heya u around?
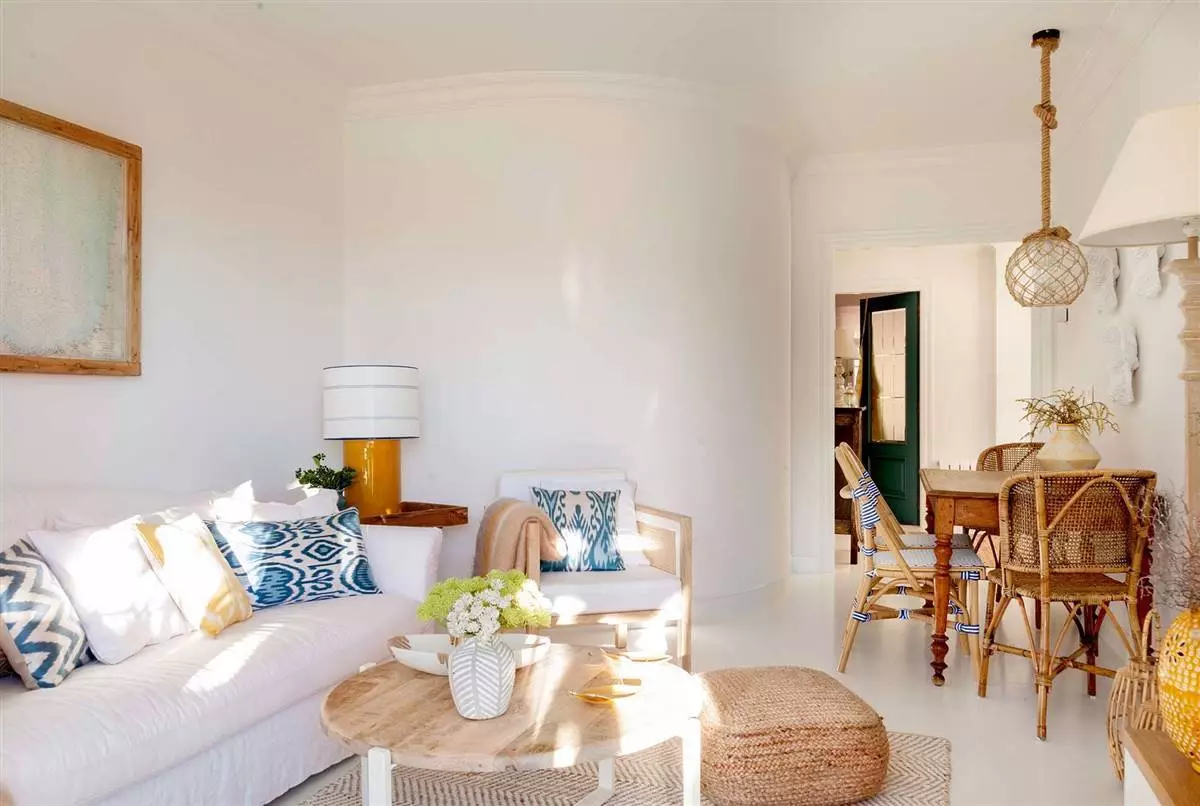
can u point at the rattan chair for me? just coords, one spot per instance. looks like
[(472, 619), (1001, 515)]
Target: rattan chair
[(907, 539), (1014, 457), (891, 568), (1066, 537)]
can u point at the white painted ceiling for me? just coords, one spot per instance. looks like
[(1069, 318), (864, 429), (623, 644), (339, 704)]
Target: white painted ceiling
[(833, 77)]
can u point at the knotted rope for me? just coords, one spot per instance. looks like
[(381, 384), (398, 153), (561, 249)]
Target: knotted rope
[(1047, 114)]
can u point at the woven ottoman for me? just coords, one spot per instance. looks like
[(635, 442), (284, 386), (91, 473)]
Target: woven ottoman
[(788, 735)]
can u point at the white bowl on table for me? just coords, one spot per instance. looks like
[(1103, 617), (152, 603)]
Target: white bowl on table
[(430, 653)]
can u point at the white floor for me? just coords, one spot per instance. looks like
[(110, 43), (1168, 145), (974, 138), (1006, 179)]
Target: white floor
[(997, 759)]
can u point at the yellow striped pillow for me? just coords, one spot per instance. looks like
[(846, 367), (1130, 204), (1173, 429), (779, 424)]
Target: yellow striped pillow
[(187, 560)]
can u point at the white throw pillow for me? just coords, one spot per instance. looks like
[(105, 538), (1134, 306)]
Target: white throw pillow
[(121, 602), (318, 504), (204, 504)]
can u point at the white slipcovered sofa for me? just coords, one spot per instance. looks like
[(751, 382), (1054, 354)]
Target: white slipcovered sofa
[(196, 720)]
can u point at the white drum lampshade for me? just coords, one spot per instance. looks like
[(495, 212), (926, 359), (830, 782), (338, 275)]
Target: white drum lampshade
[(371, 401)]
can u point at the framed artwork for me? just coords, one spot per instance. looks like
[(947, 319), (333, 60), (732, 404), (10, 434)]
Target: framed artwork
[(70, 247)]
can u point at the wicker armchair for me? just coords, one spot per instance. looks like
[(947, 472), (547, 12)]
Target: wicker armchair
[(892, 568), (1016, 457), (1064, 537)]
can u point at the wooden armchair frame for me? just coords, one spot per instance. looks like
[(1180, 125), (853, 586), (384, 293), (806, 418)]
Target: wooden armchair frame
[(667, 543)]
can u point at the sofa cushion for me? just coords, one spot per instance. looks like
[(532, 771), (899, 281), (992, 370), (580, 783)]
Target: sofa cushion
[(519, 485), (120, 600), (306, 560), (39, 629), (586, 522), (640, 587), (169, 702), (190, 566)]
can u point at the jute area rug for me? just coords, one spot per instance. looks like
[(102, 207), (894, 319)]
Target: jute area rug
[(918, 775)]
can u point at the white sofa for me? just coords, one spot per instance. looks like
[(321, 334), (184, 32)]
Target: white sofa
[(208, 721)]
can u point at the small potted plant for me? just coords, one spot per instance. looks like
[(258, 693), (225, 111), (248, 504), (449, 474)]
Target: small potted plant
[(324, 477), (1073, 416), (482, 669)]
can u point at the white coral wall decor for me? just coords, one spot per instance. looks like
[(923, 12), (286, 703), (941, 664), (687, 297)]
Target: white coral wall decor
[(1142, 264), (1103, 271), (1121, 359)]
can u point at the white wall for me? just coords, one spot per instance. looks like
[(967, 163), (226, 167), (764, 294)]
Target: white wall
[(1153, 428), (583, 281), (938, 197), (1015, 346), (241, 226), (957, 337)]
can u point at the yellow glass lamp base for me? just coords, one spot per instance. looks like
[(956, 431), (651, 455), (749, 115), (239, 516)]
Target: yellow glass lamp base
[(376, 487), (1179, 684)]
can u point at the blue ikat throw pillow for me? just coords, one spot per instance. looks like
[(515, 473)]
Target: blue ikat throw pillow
[(587, 522), (307, 560)]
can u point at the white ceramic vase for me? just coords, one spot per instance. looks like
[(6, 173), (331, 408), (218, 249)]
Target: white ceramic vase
[(481, 678), (1068, 449)]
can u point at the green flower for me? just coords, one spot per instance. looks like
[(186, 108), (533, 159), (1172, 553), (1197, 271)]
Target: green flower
[(528, 609)]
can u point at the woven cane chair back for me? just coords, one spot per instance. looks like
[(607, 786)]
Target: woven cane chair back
[(1093, 521), (1015, 457)]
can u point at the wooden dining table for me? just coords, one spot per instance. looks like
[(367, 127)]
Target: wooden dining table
[(967, 498)]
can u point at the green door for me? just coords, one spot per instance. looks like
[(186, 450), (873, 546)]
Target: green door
[(891, 374)]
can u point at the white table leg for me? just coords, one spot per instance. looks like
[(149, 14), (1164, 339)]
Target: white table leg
[(691, 762), (377, 777), (604, 791)]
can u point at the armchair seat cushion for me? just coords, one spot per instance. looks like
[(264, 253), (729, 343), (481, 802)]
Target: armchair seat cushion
[(638, 587)]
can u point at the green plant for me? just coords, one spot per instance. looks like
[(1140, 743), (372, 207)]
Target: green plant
[(527, 606), (1067, 407), (325, 477)]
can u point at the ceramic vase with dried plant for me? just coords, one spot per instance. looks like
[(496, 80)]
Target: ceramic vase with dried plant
[(1073, 416)]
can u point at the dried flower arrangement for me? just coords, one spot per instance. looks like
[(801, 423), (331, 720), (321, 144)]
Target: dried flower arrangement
[(1067, 407), (1175, 573)]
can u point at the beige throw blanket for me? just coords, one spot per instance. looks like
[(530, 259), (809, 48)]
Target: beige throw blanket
[(502, 545)]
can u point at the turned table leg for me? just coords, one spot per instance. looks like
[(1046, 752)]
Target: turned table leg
[(943, 529)]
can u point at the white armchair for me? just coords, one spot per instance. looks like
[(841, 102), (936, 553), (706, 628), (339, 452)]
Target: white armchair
[(656, 545)]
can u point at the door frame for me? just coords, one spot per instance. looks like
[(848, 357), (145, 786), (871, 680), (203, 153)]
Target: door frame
[(912, 401)]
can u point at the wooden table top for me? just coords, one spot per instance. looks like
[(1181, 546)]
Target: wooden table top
[(1168, 771), (412, 714), (963, 483)]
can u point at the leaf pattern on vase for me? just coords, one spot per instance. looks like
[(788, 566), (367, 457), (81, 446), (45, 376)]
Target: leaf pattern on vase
[(586, 521)]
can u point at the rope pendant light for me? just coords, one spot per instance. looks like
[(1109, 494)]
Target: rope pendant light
[(1046, 269)]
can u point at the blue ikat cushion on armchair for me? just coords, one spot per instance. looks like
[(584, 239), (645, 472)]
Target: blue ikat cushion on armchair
[(283, 562), (587, 523)]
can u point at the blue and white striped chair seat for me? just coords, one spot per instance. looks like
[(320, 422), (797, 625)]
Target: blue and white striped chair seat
[(923, 560), (921, 540)]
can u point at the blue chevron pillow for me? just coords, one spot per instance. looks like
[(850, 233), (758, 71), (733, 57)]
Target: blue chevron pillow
[(282, 562), (587, 522), (40, 631)]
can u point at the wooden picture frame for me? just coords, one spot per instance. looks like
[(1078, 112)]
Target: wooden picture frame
[(129, 361)]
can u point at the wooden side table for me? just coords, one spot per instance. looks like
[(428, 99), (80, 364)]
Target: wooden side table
[(419, 513)]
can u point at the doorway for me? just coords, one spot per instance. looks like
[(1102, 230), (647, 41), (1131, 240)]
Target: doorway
[(891, 392)]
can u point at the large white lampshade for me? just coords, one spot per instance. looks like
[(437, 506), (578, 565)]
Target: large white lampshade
[(1154, 186), (371, 401)]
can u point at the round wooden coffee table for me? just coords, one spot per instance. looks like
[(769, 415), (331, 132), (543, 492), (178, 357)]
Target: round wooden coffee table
[(391, 714)]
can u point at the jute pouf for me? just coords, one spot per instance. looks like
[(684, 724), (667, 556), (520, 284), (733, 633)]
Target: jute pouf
[(788, 736)]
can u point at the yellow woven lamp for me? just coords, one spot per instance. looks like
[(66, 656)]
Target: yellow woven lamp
[(1046, 269)]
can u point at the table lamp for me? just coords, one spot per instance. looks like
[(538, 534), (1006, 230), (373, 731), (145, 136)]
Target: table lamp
[(370, 408), (1152, 197)]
